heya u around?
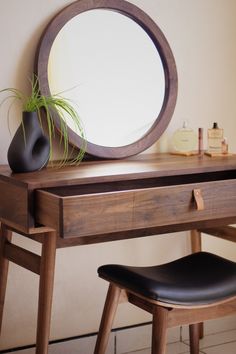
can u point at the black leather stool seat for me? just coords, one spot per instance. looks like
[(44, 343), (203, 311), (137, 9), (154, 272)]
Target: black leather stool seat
[(197, 279)]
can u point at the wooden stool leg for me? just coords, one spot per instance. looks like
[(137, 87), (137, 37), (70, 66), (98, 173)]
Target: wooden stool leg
[(196, 246), (111, 303), (47, 267), (159, 330), (194, 338), (5, 236)]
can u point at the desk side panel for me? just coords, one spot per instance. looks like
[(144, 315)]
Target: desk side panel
[(15, 206)]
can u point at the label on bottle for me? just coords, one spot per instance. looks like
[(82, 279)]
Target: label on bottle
[(215, 137), (184, 140), (215, 133)]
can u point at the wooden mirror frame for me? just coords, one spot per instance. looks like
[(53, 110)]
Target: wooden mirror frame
[(163, 48)]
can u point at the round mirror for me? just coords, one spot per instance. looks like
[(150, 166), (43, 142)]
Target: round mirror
[(115, 77), (117, 68)]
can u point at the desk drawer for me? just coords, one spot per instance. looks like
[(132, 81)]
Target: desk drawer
[(77, 212)]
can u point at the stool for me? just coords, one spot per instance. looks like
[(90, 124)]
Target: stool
[(189, 290)]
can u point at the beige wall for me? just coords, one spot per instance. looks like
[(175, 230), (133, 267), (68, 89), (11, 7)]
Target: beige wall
[(202, 35)]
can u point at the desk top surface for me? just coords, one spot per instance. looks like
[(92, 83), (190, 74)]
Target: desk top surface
[(138, 167)]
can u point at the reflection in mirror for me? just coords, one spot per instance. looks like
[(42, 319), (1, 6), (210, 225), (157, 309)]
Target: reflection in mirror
[(110, 68)]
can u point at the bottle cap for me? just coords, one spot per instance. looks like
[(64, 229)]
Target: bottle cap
[(224, 140)]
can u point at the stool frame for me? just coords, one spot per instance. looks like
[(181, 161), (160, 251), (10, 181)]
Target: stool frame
[(165, 315)]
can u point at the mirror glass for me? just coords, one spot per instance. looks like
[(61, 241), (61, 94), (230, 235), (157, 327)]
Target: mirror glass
[(111, 70)]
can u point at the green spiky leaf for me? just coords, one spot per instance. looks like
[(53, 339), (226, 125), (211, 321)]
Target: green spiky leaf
[(50, 105)]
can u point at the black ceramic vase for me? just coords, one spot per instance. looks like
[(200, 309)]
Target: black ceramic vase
[(29, 149)]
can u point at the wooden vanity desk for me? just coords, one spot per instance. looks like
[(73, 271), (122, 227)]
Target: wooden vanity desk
[(100, 201)]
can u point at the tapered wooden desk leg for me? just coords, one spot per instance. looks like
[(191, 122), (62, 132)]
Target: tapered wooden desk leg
[(196, 246), (45, 291), (5, 235), (196, 241)]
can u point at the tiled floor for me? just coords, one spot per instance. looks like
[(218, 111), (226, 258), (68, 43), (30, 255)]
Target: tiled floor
[(219, 343)]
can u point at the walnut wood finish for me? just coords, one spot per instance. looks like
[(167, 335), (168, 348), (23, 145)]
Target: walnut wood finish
[(43, 266), (5, 237), (194, 336), (122, 179), (142, 168), (166, 315), (22, 257), (152, 180), (162, 46), (226, 232), (185, 316), (111, 303), (17, 213), (196, 246), (47, 267), (196, 241), (130, 234), (113, 211), (159, 330)]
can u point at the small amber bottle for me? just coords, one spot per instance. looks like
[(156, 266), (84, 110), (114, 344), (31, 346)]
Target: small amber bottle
[(224, 146)]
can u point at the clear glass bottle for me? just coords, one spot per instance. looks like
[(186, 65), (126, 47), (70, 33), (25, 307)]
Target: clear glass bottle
[(215, 137), (184, 139)]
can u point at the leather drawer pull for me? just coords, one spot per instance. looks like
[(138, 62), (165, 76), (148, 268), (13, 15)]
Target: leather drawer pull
[(198, 199)]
